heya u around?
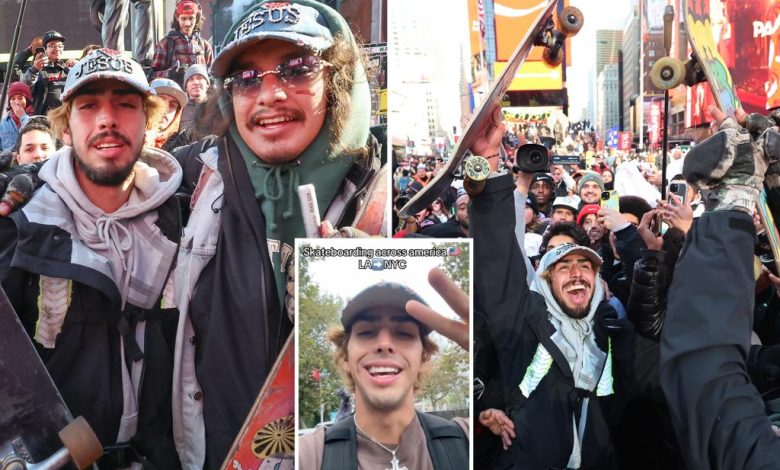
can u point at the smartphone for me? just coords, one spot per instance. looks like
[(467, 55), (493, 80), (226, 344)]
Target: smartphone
[(679, 188), (609, 200)]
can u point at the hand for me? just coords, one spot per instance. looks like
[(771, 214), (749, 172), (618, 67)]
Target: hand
[(70, 63), (651, 240), (499, 424), (718, 117), (677, 215), (611, 219), (489, 139), (18, 109), (458, 300), (38, 62)]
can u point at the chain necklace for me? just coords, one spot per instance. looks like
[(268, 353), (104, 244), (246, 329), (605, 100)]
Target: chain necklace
[(394, 462)]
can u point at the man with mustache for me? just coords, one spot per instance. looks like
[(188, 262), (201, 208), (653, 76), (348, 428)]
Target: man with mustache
[(567, 365), (293, 106), (85, 261), (381, 352)]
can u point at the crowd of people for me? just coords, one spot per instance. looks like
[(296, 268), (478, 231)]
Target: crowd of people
[(153, 266)]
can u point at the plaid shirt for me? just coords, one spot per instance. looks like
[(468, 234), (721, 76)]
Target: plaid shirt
[(194, 50)]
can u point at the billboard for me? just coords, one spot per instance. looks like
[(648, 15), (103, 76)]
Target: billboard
[(479, 71), (748, 39), (513, 18)]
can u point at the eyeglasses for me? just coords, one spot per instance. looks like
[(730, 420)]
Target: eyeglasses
[(299, 71)]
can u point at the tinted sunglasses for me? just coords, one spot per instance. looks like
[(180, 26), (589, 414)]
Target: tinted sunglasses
[(299, 71)]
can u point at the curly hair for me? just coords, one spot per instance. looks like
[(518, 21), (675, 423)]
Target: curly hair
[(339, 80), (340, 339)]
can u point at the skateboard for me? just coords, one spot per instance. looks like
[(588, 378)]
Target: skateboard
[(544, 32), (707, 65), (267, 438), (36, 428)]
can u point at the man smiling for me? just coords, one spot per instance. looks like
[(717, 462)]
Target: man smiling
[(382, 353), (294, 106), (569, 363)]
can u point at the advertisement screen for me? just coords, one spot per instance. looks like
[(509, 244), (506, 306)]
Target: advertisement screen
[(748, 39)]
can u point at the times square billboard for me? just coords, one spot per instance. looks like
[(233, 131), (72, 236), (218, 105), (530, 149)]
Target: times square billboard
[(748, 37)]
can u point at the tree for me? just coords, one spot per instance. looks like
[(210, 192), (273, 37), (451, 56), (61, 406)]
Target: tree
[(448, 376), (458, 266), (317, 312)]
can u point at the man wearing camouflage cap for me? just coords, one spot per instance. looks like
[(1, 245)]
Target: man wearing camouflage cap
[(84, 262), (295, 102)]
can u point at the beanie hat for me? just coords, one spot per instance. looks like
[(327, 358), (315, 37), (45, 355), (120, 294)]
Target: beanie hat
[(19, 88), (196, 69), (633, 205), (590, 176), (587, 209), (547, 178)]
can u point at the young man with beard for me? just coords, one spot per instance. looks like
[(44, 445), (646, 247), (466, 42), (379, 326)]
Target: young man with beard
[(382, 353), (568, 364), (296, 102), (589, 188), (84, 262)]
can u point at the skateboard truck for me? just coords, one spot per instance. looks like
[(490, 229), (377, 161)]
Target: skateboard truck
[(81, 448), (476, 170), (553, 36)]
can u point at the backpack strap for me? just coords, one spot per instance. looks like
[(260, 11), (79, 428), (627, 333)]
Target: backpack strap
[(340, 451), (448, 445)]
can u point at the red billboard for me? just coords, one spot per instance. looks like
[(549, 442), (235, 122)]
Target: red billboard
[(748, 39), (624, 141)]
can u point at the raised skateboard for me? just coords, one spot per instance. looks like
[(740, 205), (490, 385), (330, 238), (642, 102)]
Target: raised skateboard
[(36, 428), (544, 32), (267, 438), (707, 65)]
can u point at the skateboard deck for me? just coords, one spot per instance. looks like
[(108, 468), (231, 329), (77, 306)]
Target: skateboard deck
[(482, 115), (697, 24), (32, 412), (267, 438), (699, 30)]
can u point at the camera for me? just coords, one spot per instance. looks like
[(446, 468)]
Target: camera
[(680, 189), (39, 50), (407, 194), (532, 158)]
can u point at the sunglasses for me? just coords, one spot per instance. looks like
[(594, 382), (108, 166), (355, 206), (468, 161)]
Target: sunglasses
[(299, 71)]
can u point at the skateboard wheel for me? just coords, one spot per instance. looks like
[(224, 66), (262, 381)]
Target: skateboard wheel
[(570, 21), (667, 73), (476, 170), (550, 60), (82, 443)]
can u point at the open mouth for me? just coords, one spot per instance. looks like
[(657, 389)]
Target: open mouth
[(273, 122), (383, 375), (383, 371), (577, 292)]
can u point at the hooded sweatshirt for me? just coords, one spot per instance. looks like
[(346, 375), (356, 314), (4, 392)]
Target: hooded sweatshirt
[(128, 246)]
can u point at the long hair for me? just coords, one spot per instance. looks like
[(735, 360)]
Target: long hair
[(339, 79)]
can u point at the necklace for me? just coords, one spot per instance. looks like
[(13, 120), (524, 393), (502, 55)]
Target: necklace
[(394, 462)]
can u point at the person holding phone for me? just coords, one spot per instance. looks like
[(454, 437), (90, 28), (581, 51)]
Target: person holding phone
[(48, 73)]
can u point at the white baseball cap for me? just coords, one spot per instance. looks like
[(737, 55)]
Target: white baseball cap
[(561, 251), (104, 64)]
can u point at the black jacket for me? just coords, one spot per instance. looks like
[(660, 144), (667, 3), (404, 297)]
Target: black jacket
[(718, 414), (519, 322), (84, 364), (239, 323)]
